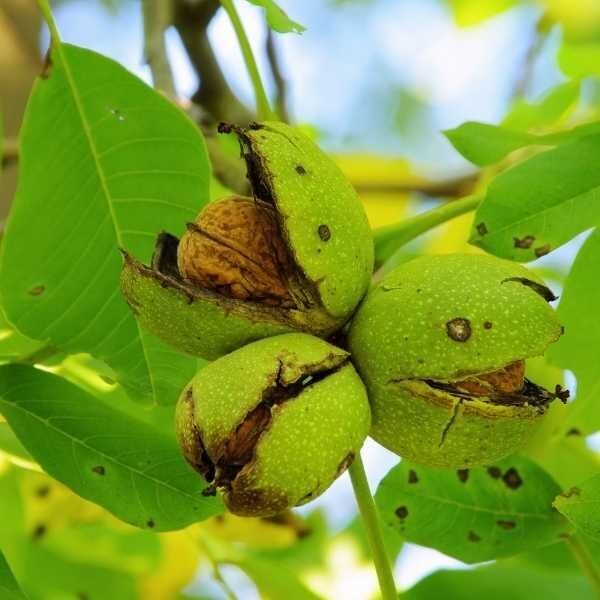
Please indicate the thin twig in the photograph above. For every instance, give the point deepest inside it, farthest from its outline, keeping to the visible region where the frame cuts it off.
(10, 151)
(157, 18)
(456, 187)
(278, 78)
(389, 239)
(537, 43)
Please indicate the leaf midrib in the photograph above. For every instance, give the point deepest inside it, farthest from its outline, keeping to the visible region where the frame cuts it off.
(158, 482)
(103, 184)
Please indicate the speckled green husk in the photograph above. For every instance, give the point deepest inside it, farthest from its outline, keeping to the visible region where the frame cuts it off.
(325, 229)
(203, 323)
(315, 201)
(400, 336)
(310, 438)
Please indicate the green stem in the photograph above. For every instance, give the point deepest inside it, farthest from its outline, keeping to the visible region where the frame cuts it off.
(368, 513)
(589, 569)
(263, 108)
(47, 12)
(392, 237)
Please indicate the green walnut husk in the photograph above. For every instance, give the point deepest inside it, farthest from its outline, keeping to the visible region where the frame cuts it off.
(322, 227)
(440, 345)
(274, 423)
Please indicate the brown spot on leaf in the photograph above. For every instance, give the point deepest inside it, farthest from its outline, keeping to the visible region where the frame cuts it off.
(494, 472)
(574, 491)
(300, 170)
(524, 243)
(39, 531)
(402, 512)
(506, 524)
(488, 325)
(43, 491)
(459, 329)
(38, 290)
(413, 477)
(463, 475)
(324, 233)
(481, 228)
(47, 67)
(573, 431)
(99, 470)
(542, 250)
(512, 479)
(150, 523)
(473, 537)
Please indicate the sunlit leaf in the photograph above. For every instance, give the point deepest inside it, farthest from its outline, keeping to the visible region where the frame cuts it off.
(541, 203)
(473, 515)
(472, 12)
(500, 583)
(105, 162)
(579, 347)
(131, 469)
(527, 115)
(14, 345)
(484, 144)
(580, 60)
(10, 444)
(277, 17)
(9, 588)
(581, 505)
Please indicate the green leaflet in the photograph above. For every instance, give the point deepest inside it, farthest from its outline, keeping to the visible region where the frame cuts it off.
(541, 203)
(579, 348)
(581, 505)
(9, 588)
(473, 515)
(277, 18)
(130, 468)
(106, 162)
(500, 583)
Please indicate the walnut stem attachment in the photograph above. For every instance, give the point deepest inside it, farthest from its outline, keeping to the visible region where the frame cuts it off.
(370, 519)
(263, 108)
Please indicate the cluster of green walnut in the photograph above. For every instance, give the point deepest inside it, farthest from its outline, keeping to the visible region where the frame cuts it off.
(308, 360)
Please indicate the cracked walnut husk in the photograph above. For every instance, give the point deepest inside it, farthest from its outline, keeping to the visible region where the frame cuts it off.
(296, 256)
(441, 344)
(273, 424)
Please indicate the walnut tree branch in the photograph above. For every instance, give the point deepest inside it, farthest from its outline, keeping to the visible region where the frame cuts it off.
(278, 78)
(157, 18)
(191, 19)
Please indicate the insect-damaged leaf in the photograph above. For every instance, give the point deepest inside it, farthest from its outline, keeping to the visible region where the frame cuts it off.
(105, 162)
(541, 203)
(130, 468)
(472, 514)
